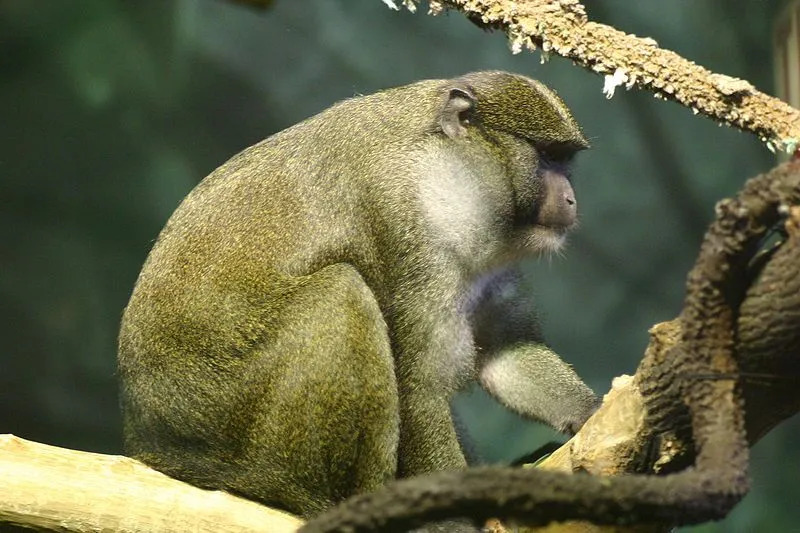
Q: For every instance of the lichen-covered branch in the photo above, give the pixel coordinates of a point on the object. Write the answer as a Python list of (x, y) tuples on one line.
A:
[(562, 27)]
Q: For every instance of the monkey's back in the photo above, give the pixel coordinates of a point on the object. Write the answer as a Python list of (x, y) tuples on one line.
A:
[(197, 357)]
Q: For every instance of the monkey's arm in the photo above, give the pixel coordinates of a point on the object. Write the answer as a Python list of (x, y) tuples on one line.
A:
[(516, 367)]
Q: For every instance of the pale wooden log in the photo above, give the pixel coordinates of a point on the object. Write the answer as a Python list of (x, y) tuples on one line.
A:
[(68, 490)]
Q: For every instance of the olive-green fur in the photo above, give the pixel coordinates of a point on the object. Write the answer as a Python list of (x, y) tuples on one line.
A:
[(291, 335), (512, 107)]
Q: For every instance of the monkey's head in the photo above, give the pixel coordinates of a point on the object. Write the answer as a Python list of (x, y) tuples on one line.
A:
[(529, 129)]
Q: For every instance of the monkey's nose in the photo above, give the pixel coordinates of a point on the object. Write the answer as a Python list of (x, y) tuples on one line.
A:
[(571, 204)]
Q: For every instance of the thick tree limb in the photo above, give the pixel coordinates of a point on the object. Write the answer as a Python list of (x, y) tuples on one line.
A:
[(561, 27)]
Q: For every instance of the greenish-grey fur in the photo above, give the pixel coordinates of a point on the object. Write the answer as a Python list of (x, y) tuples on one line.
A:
[(301, 323), (540, 117)]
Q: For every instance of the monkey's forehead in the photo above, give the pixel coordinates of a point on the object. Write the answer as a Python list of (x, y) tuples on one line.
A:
[(522, 107)]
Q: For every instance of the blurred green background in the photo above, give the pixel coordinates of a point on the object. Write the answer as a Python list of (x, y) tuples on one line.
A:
[(111, 111)]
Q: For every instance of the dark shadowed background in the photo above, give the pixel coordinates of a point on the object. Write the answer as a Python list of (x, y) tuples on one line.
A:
[(111, 111)]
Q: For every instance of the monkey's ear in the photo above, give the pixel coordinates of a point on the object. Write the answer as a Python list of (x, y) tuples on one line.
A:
[(457, 112)]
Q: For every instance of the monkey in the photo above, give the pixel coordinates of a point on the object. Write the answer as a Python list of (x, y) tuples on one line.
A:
[(307, 313)]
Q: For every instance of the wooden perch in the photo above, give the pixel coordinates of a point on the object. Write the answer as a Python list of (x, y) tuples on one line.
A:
[(643, 426), (68, 490), (561, 27)]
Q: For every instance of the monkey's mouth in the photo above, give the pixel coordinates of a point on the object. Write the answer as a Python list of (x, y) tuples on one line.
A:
[(539, 238), (556, 229)]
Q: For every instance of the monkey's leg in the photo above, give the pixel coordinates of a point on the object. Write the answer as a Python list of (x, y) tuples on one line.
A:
[(428, 443), (327, 422), (435, 357), (289, 398), (428, 439)]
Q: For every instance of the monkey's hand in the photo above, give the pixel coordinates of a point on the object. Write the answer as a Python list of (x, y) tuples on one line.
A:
[(532, 380)]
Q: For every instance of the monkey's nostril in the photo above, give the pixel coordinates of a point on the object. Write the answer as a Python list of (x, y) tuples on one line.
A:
[(570, 199)]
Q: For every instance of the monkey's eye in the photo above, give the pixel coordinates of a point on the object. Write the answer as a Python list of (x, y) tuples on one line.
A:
[(557, 153)]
